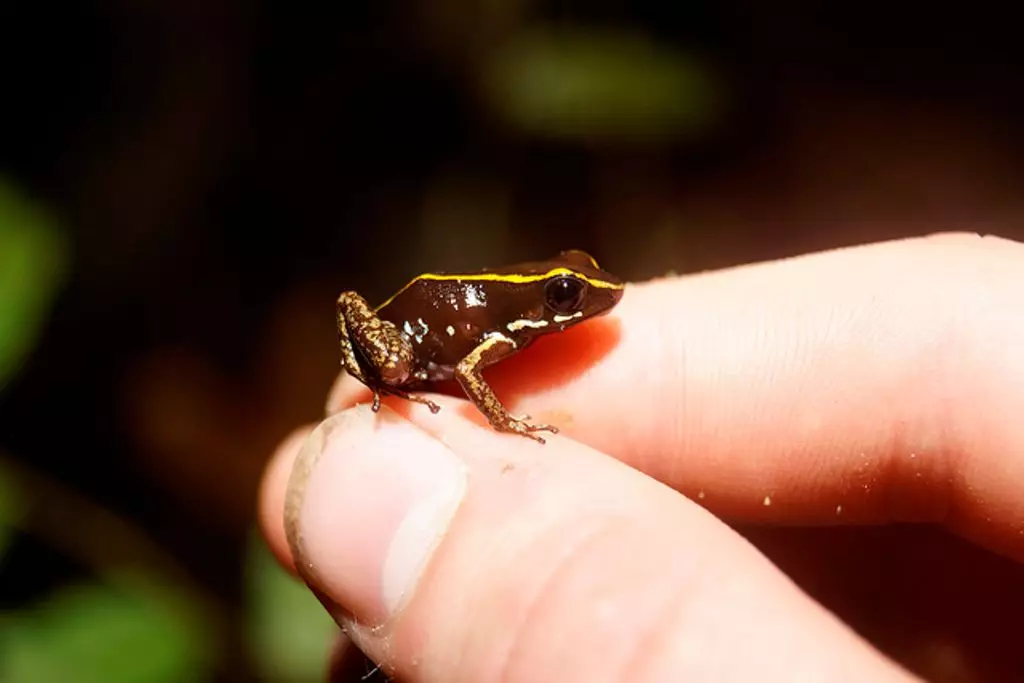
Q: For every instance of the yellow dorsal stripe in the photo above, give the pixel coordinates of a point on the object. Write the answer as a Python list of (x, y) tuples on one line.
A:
[(517, 278), (514, 278)]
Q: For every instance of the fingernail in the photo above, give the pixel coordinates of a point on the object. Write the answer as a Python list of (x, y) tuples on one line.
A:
[(371, 497)]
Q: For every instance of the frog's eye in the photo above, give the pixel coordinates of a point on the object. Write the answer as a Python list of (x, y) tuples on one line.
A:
[(565, 294)]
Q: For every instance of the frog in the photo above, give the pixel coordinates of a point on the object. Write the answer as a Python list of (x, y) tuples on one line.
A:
[(452, 325)]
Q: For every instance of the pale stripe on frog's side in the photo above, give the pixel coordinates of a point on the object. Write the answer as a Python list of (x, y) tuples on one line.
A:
[(517, 325), (567, 318)]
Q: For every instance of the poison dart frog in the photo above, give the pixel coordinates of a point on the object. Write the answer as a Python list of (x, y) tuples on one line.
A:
[(442, 326)]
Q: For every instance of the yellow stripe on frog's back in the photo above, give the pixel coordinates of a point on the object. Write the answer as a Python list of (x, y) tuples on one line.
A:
[(512, 278)]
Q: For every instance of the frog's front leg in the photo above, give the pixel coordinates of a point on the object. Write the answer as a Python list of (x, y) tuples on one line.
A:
[(468, 373), (388, 358)]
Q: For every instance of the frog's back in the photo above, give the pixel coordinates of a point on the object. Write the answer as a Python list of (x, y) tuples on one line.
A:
[(444, 319)]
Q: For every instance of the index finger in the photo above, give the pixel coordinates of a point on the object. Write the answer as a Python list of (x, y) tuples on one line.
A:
[(869, 384)]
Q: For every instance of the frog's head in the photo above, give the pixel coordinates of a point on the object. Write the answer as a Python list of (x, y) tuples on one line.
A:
[(576, 289)]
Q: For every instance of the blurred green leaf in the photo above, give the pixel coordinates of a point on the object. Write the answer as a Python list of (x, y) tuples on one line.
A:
[(32, 259), (583, 83), (94, 632), (290, 632)]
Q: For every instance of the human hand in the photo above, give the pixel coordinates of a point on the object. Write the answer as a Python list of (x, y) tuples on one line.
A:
[(867, 386)]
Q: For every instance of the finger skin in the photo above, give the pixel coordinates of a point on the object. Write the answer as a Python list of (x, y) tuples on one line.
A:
[(562, 561), (272, 493), (864, 385)]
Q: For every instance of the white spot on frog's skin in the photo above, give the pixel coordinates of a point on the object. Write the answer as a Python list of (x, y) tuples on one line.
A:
[(767, 502), (839, 510), (473, 296), (517, 325), (450, 330), (499, 335), (700, 494), (566, 318), (419, 331)]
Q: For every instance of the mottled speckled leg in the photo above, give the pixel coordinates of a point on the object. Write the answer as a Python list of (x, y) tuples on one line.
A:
[(350, 305), (362, 334), (468, 373)]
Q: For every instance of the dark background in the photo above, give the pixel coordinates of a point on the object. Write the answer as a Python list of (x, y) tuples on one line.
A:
[(222, 170)]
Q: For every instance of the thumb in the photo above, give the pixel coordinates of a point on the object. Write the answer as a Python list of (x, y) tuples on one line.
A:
[(486, 557)]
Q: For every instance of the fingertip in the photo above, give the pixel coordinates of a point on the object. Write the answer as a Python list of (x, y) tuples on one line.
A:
[(422, 525), (270, 512), (345, 392)]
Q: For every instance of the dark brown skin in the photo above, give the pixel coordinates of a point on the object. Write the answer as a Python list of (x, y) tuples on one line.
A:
[(444, 326)]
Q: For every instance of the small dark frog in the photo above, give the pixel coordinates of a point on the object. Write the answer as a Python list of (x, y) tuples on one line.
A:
[(453, 325)]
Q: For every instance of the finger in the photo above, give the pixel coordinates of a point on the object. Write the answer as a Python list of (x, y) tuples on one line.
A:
[(270, 511), (345, 391), (347, 664), (870, 384), (487, 557), (862, 385)]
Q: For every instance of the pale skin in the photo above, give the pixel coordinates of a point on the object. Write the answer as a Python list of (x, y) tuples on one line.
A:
[(860, 387)]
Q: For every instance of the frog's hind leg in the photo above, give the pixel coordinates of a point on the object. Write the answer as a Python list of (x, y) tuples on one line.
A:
[(351, 309), (374, 352), (388, 355), (349, 355)]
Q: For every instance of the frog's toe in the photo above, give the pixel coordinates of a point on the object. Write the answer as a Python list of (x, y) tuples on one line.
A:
[(543, 428), (524, 428)]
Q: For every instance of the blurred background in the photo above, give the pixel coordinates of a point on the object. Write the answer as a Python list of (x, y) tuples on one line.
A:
[(186, 186)]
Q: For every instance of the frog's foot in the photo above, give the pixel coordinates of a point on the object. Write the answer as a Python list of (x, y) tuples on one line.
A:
[(434, 408), (519, 425)]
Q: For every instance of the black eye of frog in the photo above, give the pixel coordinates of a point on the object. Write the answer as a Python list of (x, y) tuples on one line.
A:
[(565, 294)]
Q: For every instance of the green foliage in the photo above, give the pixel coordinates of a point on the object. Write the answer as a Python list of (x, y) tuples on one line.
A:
[(589, 84), (290, 632), (32, 260), (96, 632), (123, 629)]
